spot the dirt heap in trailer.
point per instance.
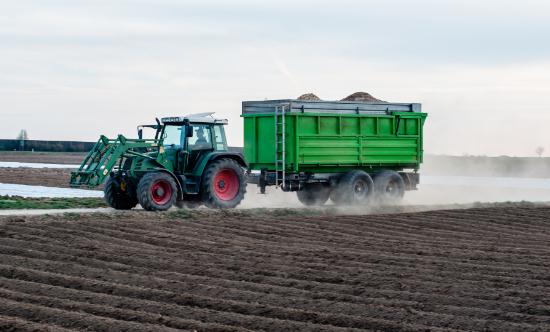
(357, 96)
(361, 96)
(309, 97)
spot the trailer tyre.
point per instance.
(157, 191)
(389, 187)
(354, 188)
(314, 194)
(116, 197)
(223, 184)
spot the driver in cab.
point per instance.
(201, 143)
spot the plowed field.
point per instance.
(48, 177)
(454, 270)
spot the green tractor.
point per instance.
(186, 164)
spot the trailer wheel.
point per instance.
(354, 188)
(223, 184)
(157, 191)
(314, 194)
(116, 197)
(389, 187)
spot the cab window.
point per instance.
(219, 138)
(172, 136)
(201, 139)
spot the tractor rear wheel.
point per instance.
(354, 188)
(314, 194)
(157, 191)
(117, 195)
(389, 187)
(223, 184)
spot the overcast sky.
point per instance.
(72, 70)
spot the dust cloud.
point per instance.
(446, 180)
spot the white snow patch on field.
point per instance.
(15, 164)
(39, 191)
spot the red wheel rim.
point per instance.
(161, 192)
(226, 184)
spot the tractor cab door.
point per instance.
(173, 139)
(198, 145)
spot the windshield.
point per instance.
(172, 136)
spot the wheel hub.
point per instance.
(391, 188)
(360, 189)
(226, 184)
(161, 192)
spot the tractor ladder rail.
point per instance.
(280, 146)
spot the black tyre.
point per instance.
(117, 195)
(354, 188)
(157, 191)
(223, 184)
(389, 187)
(314, 194)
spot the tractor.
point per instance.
(186, 164)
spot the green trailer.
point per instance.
(349, 151)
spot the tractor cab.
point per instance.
(186, 140)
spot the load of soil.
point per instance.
(309, 97)
(483, 269)
(361, 96)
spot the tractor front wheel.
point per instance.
(223, 184)
(157, 191)
(117, 195)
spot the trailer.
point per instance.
(351, 152)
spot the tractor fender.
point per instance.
(199, 168)
(178, 181)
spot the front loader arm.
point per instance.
(105, 155)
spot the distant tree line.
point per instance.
(47, 146)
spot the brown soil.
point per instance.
(43, 157)
(361, 96)
(309, 97)
(49, 177)
(480, 269)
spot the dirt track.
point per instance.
(476, 269)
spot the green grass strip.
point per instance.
(17, 202)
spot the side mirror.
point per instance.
(140, 133)
(189, 131)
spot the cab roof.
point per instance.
(194, 118)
